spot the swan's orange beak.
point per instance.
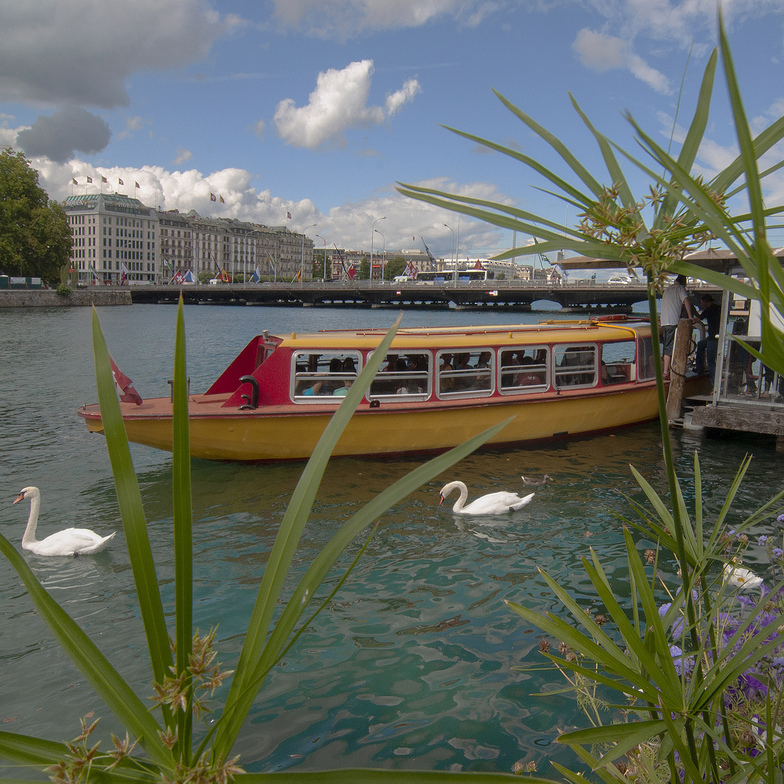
(19, 498)
(440, 500)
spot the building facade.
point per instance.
(113, 236)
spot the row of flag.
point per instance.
(219, 198)
(104, 180)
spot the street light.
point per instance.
(454, 260)
(372, 237)
(324, 260)
(302, 255)
(383, 252)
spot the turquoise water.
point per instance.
(414, 663)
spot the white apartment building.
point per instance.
(113, 234)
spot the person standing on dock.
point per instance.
(674, 299)
(709, 345)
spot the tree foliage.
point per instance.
(35, 239)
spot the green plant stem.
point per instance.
(672, 482)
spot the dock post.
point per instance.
(680, 352)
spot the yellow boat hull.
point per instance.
(292, 435)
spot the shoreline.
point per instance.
(49, 298)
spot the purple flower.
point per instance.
(780, 518)
(761, 541)
(777, 552)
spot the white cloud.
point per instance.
(605, 52)
(348, 225)
(132, 124)
(344, 19)
(258, 129)
(339, 102)
(182, 156)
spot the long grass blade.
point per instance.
(91, 663)
(131, 511)
(183, 533)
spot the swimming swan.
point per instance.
(71, 541)
(490, 504)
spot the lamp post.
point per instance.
(324, 260)
(383, 252)
(454, 260)
(302, 255)
(372, 237)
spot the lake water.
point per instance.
(413, 664)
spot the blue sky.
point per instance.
(317, 107)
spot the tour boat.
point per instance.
(437, 387)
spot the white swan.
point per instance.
(490, 504)
(71, 541)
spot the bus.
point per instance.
(447, 276)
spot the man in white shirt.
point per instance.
(673, 300)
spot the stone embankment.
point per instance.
(49, 298)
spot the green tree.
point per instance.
(394, 268)
(364, 269)
(35, 239)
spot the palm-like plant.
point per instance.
(684, 720)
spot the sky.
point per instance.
(317, 108)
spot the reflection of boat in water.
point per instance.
(437, 387)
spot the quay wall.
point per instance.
(49, 298)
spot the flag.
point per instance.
(352, 272)
(288, 216)
(225, 277)
(220, 198)
(120, 181)
(168, 265)
(89, 179)
(74, 181)
(298, 276)
(256, 277)
(136, 184)
(103, 179)
(123, 274)
(178, 277)
(218, 274)
(478, 265)
(410, 270)
(125, 386)
(212, 197)
(272, 261)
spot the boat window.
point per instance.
(405, 374)
(324, 374)
(618, 362)
(524, 369)
(575, 366)
(645, 367)
(465, 373)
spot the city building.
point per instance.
(115, 237)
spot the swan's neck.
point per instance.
(460, 503)
(32, 521)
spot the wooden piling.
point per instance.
(680, 353)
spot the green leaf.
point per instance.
(131, 511)
(622, 737)
(94, 666)
(369, 775)
(183, 535)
